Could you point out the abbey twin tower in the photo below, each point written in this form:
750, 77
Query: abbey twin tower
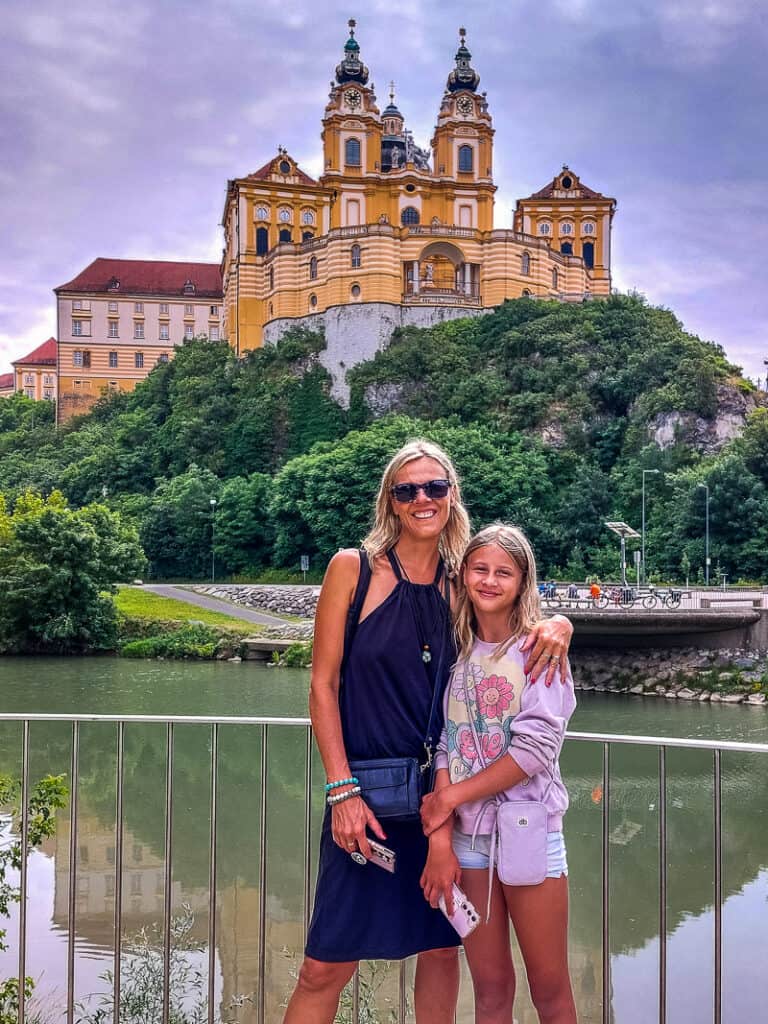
394, 235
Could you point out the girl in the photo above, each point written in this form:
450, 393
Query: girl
518, 726
370, 697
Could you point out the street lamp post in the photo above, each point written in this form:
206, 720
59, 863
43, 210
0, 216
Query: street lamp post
642, 543
623, 531
213, 539
705, 487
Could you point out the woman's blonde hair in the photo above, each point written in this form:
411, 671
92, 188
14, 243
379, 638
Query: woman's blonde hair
386, 526
526, 610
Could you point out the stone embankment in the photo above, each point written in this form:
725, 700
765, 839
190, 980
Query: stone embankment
298, 602
729, 676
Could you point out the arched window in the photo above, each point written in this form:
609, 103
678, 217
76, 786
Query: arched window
465, 158
271, 278
352, 152
410, 215
355, 261
285, 234
312, 300
566, 248
554, 278
526, 293
313, 269
306, 235
262, 241
588, 252
525, 263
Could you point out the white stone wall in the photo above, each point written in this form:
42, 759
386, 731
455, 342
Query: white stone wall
355, 333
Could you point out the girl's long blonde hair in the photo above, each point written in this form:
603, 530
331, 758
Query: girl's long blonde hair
386, 527
526, 610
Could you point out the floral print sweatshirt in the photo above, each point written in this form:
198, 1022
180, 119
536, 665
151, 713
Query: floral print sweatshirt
511, 716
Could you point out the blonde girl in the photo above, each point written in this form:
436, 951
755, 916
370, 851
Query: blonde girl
502, 736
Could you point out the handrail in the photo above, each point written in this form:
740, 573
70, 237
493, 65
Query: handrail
589, 737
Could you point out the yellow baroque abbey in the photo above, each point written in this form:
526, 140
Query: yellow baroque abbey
392, 235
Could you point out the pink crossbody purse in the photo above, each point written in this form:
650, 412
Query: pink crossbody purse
519, 836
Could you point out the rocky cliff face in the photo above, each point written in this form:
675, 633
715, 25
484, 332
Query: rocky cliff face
708, 435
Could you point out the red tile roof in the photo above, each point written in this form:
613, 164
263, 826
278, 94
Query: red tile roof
265, 173
548, 191
6, 381
43, 355
147, 277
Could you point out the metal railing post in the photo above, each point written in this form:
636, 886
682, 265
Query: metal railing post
662, 885
718, 886
168, 892
72, 893
24, 879
212, 874
307, 829
606, 937
261, 995
118, 915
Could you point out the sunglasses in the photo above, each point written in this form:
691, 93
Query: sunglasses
433, 489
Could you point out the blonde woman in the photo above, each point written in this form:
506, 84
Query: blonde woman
383, 648
501, 740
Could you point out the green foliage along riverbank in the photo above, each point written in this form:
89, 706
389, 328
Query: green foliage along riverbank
552, 412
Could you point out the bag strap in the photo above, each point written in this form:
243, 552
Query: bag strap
353, 612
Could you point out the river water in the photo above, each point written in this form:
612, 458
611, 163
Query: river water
114, 686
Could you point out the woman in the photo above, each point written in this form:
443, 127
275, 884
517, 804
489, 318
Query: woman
397, 649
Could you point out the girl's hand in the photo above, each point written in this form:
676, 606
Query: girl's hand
440, 872
436, 809
548, 643
349, 820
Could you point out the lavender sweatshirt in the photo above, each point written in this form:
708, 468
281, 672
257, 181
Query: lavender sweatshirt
512, 716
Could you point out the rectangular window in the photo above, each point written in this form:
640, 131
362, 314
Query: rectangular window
213, 332
113, 329
138, 853
138, 360
28, 378
86, 358
164, 308
163, 357
47, 379
29, 392
109, 886
112, 306
189, 332
135, 885
138, 307
47, 392
77, 328
77, 357
138, 330
164, 332
113, 359
214, 310
189, 309
110, 855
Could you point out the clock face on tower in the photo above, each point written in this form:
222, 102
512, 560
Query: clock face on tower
465, 106
353, 99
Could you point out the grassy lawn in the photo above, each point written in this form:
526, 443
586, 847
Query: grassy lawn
136, 603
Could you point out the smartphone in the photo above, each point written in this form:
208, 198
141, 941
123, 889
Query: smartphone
382, 855
464, 917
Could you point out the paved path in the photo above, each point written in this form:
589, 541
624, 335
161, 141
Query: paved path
215, 605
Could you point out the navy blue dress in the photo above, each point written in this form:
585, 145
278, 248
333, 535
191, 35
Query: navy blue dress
363, 912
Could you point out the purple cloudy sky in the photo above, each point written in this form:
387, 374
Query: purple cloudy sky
121, 123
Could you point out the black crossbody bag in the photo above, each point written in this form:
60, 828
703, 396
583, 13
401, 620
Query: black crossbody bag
393, 787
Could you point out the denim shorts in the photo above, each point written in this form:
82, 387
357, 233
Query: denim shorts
478, 858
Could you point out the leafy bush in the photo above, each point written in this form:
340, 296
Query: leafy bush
189, 641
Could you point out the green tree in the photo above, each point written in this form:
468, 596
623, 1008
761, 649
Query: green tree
57, 569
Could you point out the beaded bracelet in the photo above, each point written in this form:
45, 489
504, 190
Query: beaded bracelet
333, 800
351, 781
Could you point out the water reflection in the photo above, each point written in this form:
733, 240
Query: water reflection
634, 869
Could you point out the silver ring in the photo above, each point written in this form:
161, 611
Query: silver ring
358, 858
